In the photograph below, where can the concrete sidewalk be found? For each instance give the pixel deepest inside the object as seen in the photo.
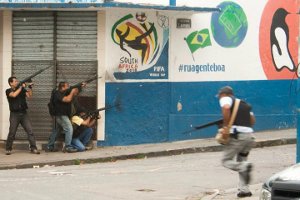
(24, 159)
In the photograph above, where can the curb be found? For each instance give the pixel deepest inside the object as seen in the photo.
(188, 150)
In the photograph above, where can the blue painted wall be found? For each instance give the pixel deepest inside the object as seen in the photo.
(149, 112)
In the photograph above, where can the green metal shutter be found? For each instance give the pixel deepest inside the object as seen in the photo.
(77, 51)
(33, 50)
(65, 40)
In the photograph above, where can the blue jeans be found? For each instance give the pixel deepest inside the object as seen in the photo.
(83, 139)
(56, 130)
(62, 123)
(15, 119)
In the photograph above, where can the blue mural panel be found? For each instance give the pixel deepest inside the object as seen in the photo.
(143, 115)
(150, 112)
(273, 103)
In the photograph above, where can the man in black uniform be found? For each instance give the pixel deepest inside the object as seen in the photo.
(16, 96)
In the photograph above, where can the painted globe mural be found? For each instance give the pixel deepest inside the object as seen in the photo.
(229, 27)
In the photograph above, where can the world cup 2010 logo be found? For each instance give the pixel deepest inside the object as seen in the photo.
(278, 45)
(138, 37)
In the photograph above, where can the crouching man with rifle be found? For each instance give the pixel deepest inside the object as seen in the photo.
(83, 130)
(83, 123)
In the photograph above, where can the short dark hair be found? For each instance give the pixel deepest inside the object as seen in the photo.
(11, 79)
(61, 84)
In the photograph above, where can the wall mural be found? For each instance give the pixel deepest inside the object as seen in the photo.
(229, 27)
(208, 40)
(278, 39)
(198, 39)
(258, 45)
(143, 46)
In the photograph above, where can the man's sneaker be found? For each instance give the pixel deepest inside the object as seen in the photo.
(7, 152)
(69, 150)
(34, 151)
(248, 174)
(88, 148)
(244, 194)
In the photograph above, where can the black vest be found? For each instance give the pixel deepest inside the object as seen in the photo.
(17, 104)
(243, 114)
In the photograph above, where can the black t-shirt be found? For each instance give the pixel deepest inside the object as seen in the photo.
(17, 104)
(61, 108)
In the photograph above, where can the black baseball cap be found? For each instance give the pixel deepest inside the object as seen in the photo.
(225, 90)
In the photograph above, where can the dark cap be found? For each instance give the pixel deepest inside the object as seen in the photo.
(225, 90)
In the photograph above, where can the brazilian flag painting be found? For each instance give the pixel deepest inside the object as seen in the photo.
(198, 39)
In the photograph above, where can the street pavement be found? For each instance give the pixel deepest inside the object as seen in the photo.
(23, 159)
(229, 194)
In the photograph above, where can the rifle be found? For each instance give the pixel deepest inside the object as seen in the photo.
(78, 85)
(95, 113)
(217, 122)
(28, 79)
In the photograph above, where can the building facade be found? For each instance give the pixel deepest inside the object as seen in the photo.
(162, 64)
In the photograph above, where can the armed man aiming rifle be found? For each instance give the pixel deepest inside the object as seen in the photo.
(83, 130)
(82, 126)
(62, 105)
(16, 96)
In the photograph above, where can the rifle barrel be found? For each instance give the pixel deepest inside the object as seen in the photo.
(33, 75)
(217, 122)
(99, 109)
(77, 85)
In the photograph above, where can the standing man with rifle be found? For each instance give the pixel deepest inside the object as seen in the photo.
(16, 96)
(63, 100)
(239, 130)
(63, 105)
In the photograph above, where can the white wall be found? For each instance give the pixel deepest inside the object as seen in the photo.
(5, 68)
(101, 72)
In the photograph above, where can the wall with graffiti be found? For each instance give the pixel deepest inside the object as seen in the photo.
(140, 45)
(254, 40)
(165, 68)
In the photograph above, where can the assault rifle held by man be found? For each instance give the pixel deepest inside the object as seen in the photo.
(95, 113)
(217, 123)
(80, 84)
(28, 79)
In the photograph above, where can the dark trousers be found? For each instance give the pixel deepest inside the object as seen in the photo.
(15, 119)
